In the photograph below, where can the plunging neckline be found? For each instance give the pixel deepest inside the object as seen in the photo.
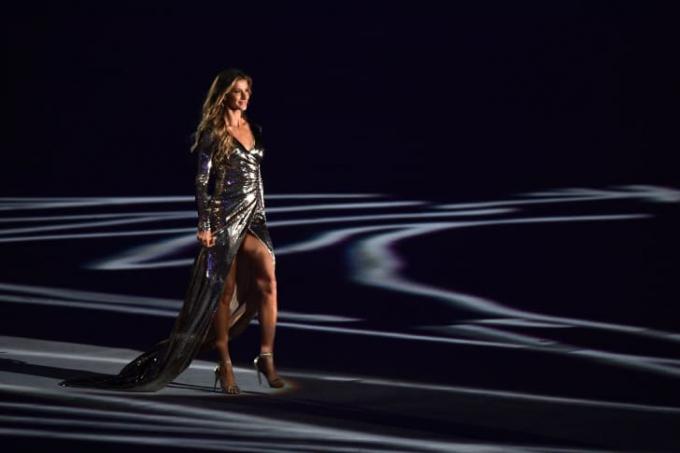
(252, 131)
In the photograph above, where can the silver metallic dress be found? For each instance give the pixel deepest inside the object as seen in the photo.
(235, 208)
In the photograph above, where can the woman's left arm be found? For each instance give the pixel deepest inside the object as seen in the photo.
(203, 173)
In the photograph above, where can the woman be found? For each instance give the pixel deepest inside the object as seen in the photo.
(233, 274)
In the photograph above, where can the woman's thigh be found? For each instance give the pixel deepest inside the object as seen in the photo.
(260, 263)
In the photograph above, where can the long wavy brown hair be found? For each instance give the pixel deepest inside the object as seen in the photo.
(212, 124)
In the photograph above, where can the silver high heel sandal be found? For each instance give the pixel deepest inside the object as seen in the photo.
(231, 389)
(276, 382)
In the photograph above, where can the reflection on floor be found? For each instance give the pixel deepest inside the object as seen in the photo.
(521, 324)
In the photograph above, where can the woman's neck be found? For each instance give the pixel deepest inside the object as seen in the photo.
(233, 117)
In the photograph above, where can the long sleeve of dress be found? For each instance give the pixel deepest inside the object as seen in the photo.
(203, 172)
(260, 190)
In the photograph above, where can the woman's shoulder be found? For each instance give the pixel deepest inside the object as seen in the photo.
(207, 136)
(206, 139)
(255, 127)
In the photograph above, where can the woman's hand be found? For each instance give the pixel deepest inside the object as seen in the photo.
(206, 237)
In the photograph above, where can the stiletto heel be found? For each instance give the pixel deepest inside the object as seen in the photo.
(230, 389)
(277, 382)
(257, 371)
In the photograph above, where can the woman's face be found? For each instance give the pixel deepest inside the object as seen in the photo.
(238, 97)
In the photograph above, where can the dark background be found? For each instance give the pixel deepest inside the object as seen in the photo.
(469, 98)
(453, 102)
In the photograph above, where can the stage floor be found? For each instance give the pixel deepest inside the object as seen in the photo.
(543, 322)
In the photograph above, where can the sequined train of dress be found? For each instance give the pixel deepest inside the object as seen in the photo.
(235, 207)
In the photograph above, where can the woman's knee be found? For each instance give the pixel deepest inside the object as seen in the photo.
(227, 292)
(229, 284)
(266, 286)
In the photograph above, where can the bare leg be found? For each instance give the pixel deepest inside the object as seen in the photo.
(221, 326)
(267, 316)
(265, 294)
(244, 287)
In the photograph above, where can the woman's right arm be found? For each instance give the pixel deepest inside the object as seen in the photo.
(203, 198)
